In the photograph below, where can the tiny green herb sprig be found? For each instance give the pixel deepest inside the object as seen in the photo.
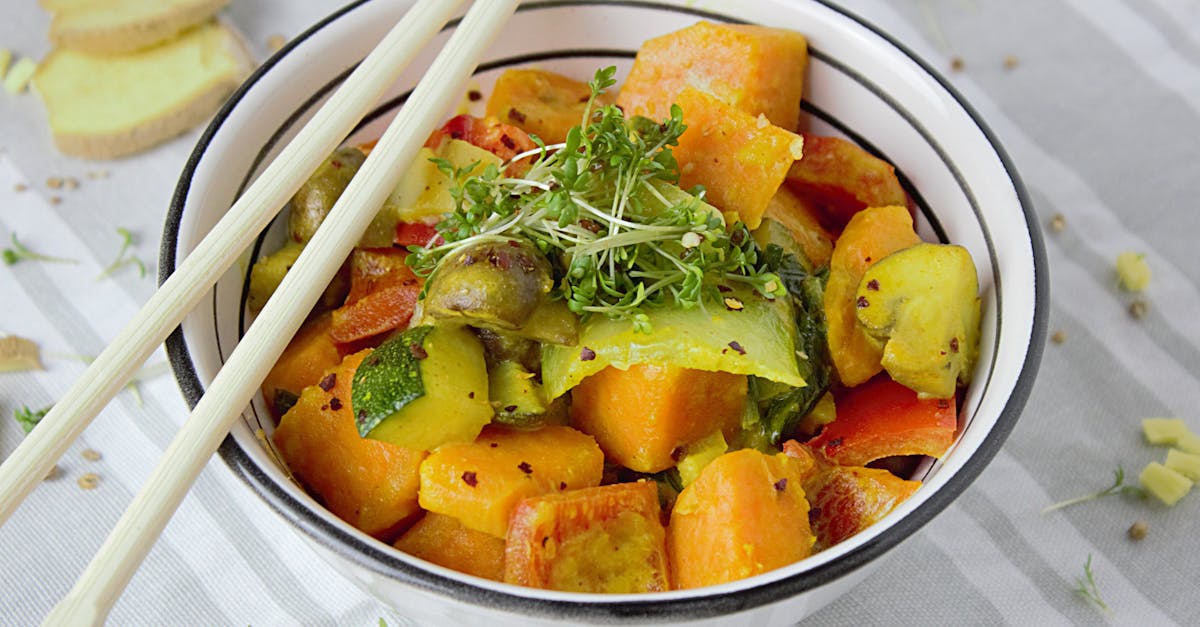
(1085, 586)
(604, 208)
(19, 252)
(1118, 487)
(123, 260)
(28, 418)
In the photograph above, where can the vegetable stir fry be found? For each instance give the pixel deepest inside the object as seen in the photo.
(658, 340)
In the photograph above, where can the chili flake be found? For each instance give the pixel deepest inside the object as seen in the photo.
(862, 302)
(587, 354)
(417, 351)
(525, 468)
(328, 381)
(469, 478)
(873, 285)
(737, 347)
(516, 116)
(335, 403)
(510, 408)
(781, 485)
(474, 95)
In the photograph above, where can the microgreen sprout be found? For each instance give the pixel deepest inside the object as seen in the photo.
(28, 418)
(1118, 487)
(19, 252)
(123, 260)
(1085, 586)
(605, 208)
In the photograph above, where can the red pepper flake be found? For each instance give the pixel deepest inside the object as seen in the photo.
(943, 403)
(325, 407)
(677, 453)
(362, 415)
(328, 382)
(562, 485)
(862, 302)
(954, 344)
(469, 478)
(545, 539)
(737, 347)
(335, 403)
(587, 354)
(508, 142)
(724, 289)
(337, 165)
(417, 351)
(834, 443)
(868, 260)
(467, 260)
(516, 116)
(873, 285)
(590, 225)
(510, 408)
(474, 95)
(471, 394)
(525, 468)
(781, 485)
(494, 444)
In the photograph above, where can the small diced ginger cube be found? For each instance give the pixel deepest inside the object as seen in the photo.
(1165, 484)
(1163, 430)
(1186, 464)
(1189, 443)
(1133, 272)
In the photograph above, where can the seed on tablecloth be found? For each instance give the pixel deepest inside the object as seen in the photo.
(89, 481)
(1059, 337)
(54, 182)
(957, 63)
(1138, 309)
(1058, 223)
(1010, 61)
(92, 455)
(1138, 530)
(275, 42)
(71, 182)
(20, 187)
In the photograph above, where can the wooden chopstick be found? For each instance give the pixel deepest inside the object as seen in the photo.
(180, 293)
(101, 584)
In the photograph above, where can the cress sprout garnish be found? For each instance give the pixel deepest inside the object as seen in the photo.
(1086, 586)
(603, 208)
(122, 260)
(19, 252)
(1118, 487)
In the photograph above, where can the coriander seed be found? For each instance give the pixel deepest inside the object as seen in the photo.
(91, 455)
(1138, 309)
(89, 481)
(1058, 223)
(1138, 530)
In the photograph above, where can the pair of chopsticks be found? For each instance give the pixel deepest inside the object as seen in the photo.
(100, 585)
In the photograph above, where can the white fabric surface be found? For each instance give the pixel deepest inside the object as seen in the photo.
(1101, 115)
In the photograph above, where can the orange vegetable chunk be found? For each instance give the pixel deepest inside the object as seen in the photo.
(744, 515)
(383, 293)
(846, 499)
(370, 484)
(305, 360)
(481, 482)
(840, 179)
(604, 539)
(756, 69)
(541, 103)
(871, 235)
(803, 222)
(741, 160)
(503, 140)
(882, 418)
(640, 416)
(445, 541)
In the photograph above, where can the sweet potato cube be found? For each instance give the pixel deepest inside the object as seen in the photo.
(604, 539)
(871, 235)
(447, 542)
(383, 293)
(803, 222)
(481, 482)
(370, 484)
(305, 360)
(740, 159)
(640, 416)
(841, 179)
(744, 515)
(541, 103)
(756, 69)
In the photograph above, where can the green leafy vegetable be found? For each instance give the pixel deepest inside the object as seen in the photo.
(1086, 586)
(28, 418)
(605, 208)
(1118, 487)
(122, 260)
(19, 253)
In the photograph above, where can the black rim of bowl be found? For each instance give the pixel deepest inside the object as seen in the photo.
(370, 554)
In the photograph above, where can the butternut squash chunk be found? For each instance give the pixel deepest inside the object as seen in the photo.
(871, 235)
(370, 484)
(744, 515)
(541, 103)
(840, 179)
(741, 160)
(605, 539)
(481, 482)
(640, 416)
(756, 69)
(445, 541)
(305, 360)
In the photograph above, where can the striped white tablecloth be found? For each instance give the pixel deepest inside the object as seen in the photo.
(1098, 102)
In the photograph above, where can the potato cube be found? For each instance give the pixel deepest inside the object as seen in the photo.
(445, 541)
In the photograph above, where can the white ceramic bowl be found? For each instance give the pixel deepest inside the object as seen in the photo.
(861, 84)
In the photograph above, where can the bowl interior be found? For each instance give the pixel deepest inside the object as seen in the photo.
(860, 85)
